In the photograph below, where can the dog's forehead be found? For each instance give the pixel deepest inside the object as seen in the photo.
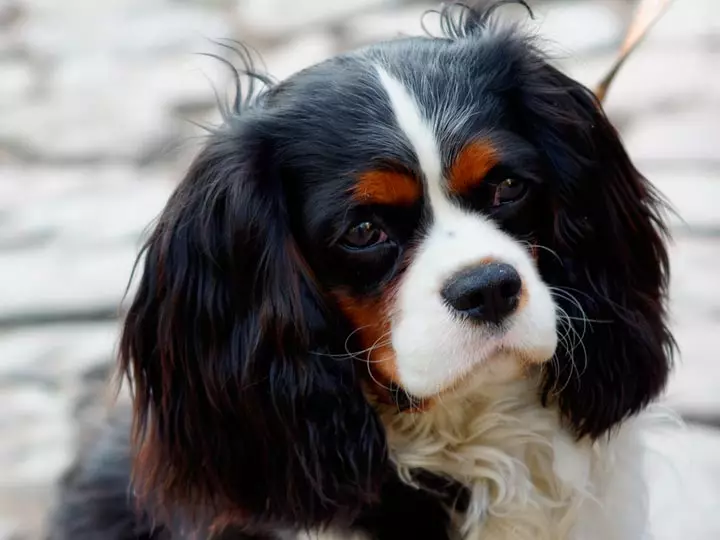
(440, 73)
(449, 73)
(339, 115)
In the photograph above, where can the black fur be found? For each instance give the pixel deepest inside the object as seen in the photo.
(96, 501)
(248, 410)
(229, 335)
(608, 262)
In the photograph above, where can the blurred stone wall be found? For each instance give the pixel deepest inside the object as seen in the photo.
(97, 100)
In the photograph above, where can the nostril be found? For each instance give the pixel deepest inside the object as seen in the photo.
(510, 288)
(465, 302)
(486, 293)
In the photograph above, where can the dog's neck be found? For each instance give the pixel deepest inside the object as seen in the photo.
(528, 477)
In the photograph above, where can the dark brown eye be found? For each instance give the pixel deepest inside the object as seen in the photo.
(364, 235)
(509, 190)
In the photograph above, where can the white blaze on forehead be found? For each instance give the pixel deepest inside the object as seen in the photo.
(432, 347)
(419, 131)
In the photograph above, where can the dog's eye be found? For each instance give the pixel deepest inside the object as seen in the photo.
(509, 190)
(364, 235)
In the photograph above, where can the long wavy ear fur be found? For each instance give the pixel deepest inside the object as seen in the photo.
(609, 266)
(241, 411)
(607, 261)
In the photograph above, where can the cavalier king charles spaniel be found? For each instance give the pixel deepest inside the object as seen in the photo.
(414, 291)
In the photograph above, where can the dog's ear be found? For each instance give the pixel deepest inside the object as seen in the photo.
(241, 408)
(609, 266)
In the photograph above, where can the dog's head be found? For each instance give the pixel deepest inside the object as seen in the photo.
(392, 222)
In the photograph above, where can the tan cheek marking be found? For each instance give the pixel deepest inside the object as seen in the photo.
(471, 165)
(370, 318)
(386, 187)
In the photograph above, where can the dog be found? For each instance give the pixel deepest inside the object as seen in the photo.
(414, 291)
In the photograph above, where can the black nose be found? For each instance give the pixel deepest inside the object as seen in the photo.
(486, 293)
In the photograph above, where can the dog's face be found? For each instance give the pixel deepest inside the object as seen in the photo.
(417, 200)
(406, 217)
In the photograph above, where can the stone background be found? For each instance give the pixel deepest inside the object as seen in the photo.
(96, 103)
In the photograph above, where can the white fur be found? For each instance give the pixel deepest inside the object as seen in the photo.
(433, 348)
(529, 478)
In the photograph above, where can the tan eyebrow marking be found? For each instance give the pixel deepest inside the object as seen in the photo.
(471, 165)
(386, 187)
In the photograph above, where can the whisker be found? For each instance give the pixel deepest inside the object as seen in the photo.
(349, 355)
(551, 251)
(565, 340)
(572, 340)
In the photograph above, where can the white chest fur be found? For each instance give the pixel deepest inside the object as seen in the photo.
(529, 478)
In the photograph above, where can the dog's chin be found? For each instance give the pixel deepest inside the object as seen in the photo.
(502, 366)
